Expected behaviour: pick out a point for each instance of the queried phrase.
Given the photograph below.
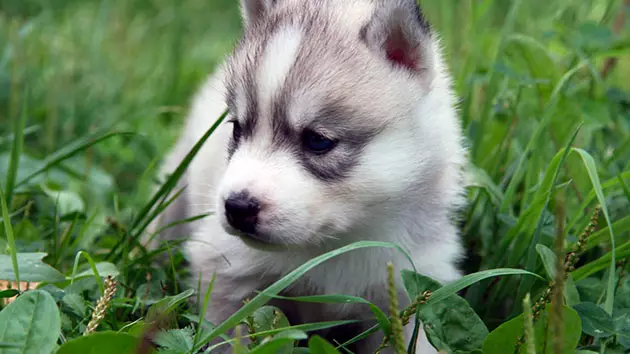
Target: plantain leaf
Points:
(32, 268)
(451, 325)
(102, 343)
(317, 345)
(595, 321)
(503, 339)
(32, 322)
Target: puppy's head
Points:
(323, 97)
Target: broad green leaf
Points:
(450, 324)
(414, 291)
(149, 293)
(318, 345)
(67, 202)
(25, 231)
(107, 342)
(621, 320)
(503, 339)
(178, 340)
(76, 303)
(268, 318)
(281, 343)
(444, 292)
(31, 321)
(168, 304)
(9, 345)
(32, 268)
(595, 321)
(274, 346)
(265, 317)
(8, 293)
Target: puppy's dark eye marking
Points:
(237, 131)
(317, 143)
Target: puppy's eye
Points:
(317, 143)
(236, 130)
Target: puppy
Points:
(342, 127)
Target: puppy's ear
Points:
(254, 10)
(400, 33)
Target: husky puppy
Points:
(341, 128)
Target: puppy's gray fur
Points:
(395, 174)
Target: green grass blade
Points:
(179, 171)
(603, 262)
(16, 153)
(167, 187)
(263, 297)
(608, 184)
(542, 202)
(548, 115)
(589, 164)
(446, 291)
(204, 310)
(90, 261)
(307, 327)
(70, 151)
(382, 318)
(624, 187)
(174, 224)
(470, 279)
(25, 132)
(8, 230)
(620, 226)
(494, 78)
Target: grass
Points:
(92, 94)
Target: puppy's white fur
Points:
(404, 184)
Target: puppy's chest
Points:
(341, 277)
(358, 273)
(310, 312)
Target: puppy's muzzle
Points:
(241, 212)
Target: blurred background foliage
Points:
(527, 76)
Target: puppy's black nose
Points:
(241, 211)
